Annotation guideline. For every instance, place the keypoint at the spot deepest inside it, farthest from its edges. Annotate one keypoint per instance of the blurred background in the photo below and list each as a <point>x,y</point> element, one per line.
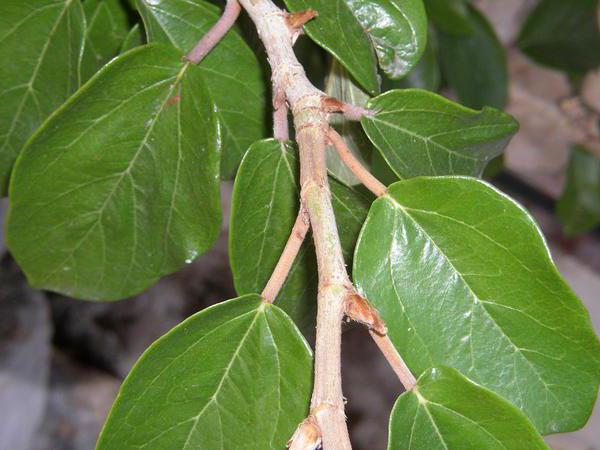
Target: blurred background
<point>62,360</point>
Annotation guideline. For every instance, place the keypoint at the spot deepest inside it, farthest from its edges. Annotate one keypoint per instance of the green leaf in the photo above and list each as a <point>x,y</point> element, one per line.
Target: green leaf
<point>340,85</point>
<point>232,71</point>
<point>120,186</point>
<point>563,34</point>
<point>450,16</point>
<point>236,375</point>
<point>463,277</point>
<point>474,65</point>
<point>425,75</point>
<point>135,38</point>
<point>40,46</point>
<point>265,203</point>
<point>421,133</point>
<point>107,26</point>
<point>579,205</point>
<point>447,411</point>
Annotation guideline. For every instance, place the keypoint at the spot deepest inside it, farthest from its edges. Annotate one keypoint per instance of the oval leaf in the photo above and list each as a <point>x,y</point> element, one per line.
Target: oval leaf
<point>107,26</point>
<point>563,35</point>
<point>421,133</point>
<point>462,277</point>
<point>449,16</point>
<point>40,46</point>
<point>120,186</point>
<point>265,203</point>
<point>447,411</point>
<point>232,72</point>
<point>236,375</point>
<point>474,65</point>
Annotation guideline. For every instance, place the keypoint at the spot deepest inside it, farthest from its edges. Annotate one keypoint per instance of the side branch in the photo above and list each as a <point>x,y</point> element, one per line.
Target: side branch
<point>363,175</point>
<point>392,356</point>
<point>216,33</point>
<point>287,258</point>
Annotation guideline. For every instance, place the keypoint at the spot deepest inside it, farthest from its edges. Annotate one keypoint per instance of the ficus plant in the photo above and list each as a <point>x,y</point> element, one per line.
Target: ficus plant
<point>113,165</point>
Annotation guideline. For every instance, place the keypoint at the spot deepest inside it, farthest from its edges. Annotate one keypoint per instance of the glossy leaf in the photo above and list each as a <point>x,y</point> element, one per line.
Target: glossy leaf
<point>447,411</point>
<point>40,46</point>
<point>462,277</point>
<point>563,34</point>
<point>340,85</point>
<point>421,133</point>
<point>120,186</point>
<point>134,38</point>
<point>236,375</point>
<point>107,26</point>
<point>232,71</point>
<point>579,205</point>
<point>474,65</point>
<point>450,16</point>
<point>265,203</point>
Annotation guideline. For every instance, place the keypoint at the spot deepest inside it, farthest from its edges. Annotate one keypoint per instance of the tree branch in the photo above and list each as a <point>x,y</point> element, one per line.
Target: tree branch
<point>394,359</point>
<point>281,130</point>
<point>287,258</point>
<point>216,33</point>
<point>363,175</point>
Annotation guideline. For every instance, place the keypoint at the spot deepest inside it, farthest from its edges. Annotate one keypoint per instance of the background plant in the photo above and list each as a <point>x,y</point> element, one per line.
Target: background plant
<point>119,186</point>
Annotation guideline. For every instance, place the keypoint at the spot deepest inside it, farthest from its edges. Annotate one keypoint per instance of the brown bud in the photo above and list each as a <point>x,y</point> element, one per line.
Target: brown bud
<point>359,310</point>
<point>332,105</point>
<point>307,435</point>
<point>298,19</point>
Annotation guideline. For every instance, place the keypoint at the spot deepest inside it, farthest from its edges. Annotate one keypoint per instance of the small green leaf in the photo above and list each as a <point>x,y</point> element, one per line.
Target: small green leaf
<point>449,16</point>
<point>135,38</point>
<point>107,26</point>
<point>232,71</point>
<point>447,411</point>
<point>563,34</point>
<point>579,205</point>
<point>40,46</point>
<point>236,375</point>
<point>120,186</point>
<point>462,277</point>
<point>421,133</point>
<point>265,203</point>
<point>340,85</point>
<point>474,65</point>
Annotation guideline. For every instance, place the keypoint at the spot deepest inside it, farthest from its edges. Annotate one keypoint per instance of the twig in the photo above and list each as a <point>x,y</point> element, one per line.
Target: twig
<point>350,112</point>
<point>281,130</point>
<point>282,269</point>
<point>363,175</point>
<point>395,360</point>
<point>216,33</point>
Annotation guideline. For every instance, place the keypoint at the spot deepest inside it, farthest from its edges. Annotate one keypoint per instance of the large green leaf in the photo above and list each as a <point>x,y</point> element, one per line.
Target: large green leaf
<point>447,411</point>
<point>266,200</point>
<point>462,277</point>
<point>120,186</point>
<point>232,71</point>
<point>421,133</point>
<point>107,26</point>
<point>40,47</point>
<point>449,16</point>
<point>236,375</point>
<point>341,86</point>
<point>579,205</point>
<point>563,34</point>
<point>474,65</point>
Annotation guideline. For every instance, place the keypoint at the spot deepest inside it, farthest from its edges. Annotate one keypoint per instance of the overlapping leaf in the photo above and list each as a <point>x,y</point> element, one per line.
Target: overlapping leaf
<point>134,38</point>
<point>236,375</point>
<point>120,186</point>
<point>232,72</point>
<point>462,277</point>
<point>107,26</point>
<point>421,133</point>
<point>563,34</point>
<point>475,64</point>
<point>340,85</point>
<point>579,205</point>
<point>40,46</point>
<point>447,411</point>
<point>265,203</point>
<point>449,16</point>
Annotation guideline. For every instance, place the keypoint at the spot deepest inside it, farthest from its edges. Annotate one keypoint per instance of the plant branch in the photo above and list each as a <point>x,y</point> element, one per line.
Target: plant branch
<point>281,130</point>
<point>216,33</point>
<point>363,175</point>
<point>394,359</point>
<point>287,258</point>
<point>310,121</point>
